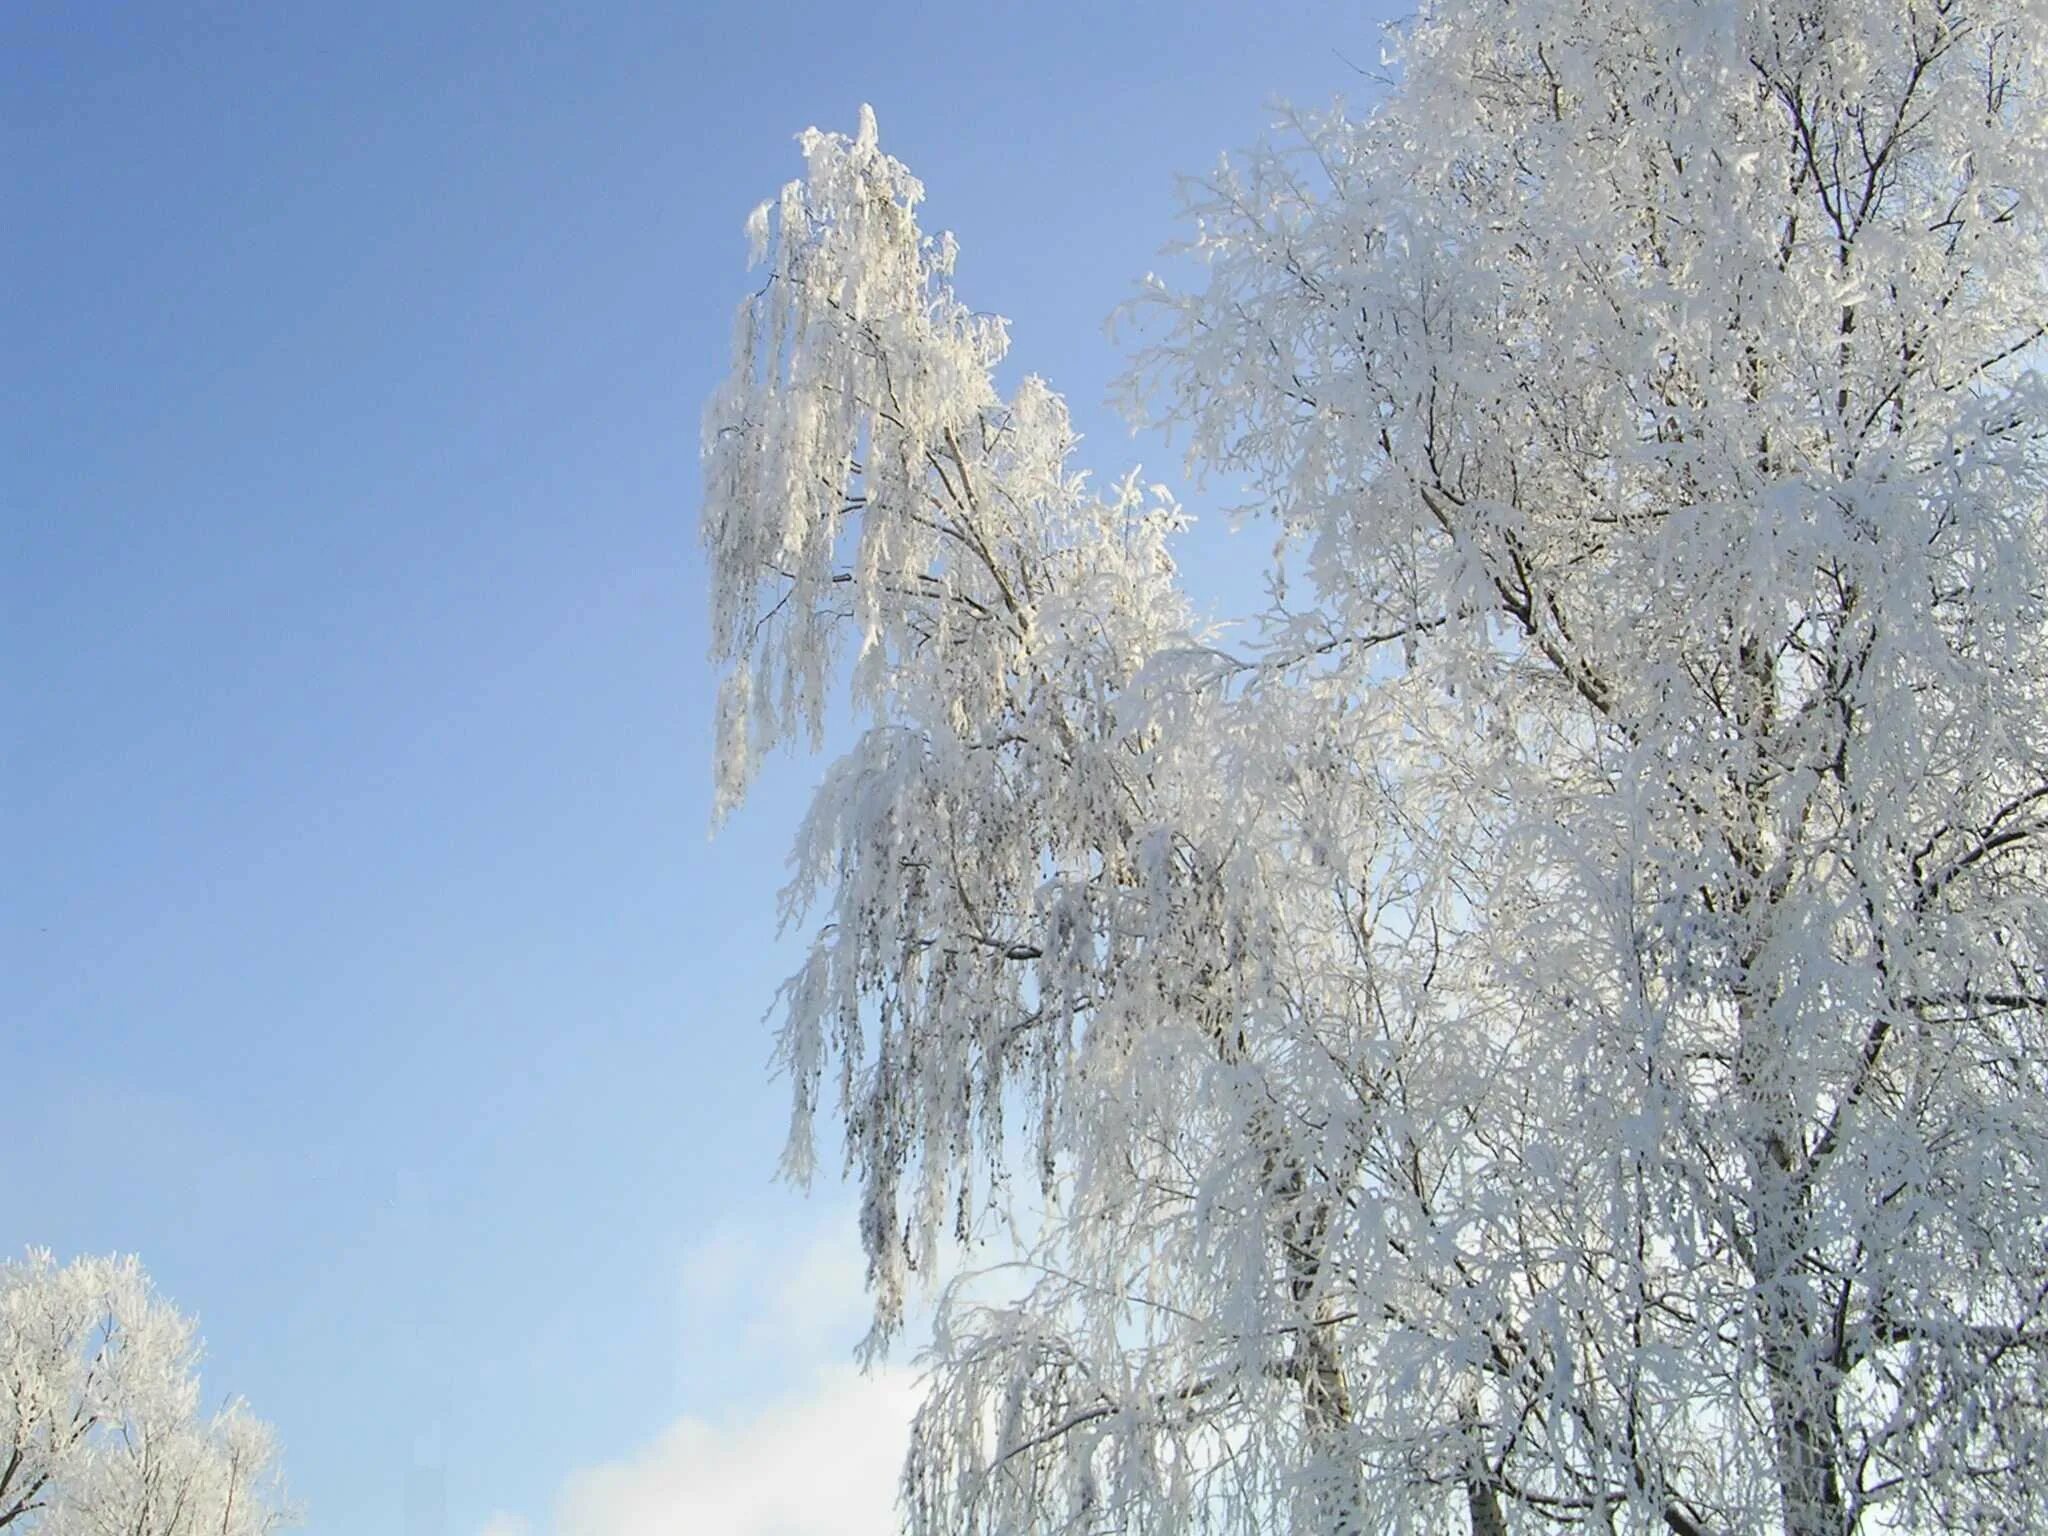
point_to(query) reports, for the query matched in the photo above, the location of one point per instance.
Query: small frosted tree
(1553, 1032)
(101, 1430)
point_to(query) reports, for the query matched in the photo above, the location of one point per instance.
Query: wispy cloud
(794, 1299)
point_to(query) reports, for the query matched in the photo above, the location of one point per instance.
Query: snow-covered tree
(101, 1428)
(1554, 1032)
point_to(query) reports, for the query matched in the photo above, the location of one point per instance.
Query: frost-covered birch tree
(101, 1429)
(1553, 1031)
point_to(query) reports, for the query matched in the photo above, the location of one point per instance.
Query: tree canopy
(101, 1428)
(1551, 1033)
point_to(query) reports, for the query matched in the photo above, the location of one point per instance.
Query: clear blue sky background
(366, 964)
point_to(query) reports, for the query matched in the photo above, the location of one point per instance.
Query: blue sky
(368, 968)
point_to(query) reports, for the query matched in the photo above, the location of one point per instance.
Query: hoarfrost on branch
(101, 1428)
(1552, 1034)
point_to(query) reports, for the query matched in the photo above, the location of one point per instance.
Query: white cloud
(785, 1437)
(821, 1463)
